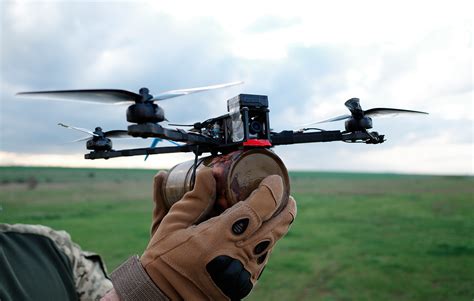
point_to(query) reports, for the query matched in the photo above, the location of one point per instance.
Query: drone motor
(144, 110)
(362, 124)
(99, 144)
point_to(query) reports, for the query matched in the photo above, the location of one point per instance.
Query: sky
(309, 57)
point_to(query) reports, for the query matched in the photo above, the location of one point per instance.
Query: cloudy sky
(307, 56)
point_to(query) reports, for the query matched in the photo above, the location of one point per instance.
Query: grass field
(357, 236)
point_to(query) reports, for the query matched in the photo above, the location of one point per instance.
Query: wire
(308, 129)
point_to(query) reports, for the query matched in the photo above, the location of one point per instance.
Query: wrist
(131, 282)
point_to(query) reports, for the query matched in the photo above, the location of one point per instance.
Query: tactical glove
(220, 258)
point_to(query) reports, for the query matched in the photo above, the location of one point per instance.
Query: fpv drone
(246, 125)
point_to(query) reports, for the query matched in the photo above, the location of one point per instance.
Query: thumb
(194, 205)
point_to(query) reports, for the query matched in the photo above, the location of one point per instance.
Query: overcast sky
(309, 57)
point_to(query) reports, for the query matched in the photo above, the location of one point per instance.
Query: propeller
(358, 114)
(360, 120)
(116, 96)
(97, 133)
(142, 108)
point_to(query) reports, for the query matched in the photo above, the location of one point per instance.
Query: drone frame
(251, 113)
(246, 125)
(281, 138)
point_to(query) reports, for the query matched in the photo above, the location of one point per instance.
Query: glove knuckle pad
(230, 276)
(240, 226)
(261, 246)
(242, 221)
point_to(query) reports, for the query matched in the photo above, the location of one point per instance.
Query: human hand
(222, 257)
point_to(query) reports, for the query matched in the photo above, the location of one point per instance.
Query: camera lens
(255, 127)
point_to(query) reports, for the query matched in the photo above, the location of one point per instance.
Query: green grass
(357, 236)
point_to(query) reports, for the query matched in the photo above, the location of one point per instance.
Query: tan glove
(159, 210)
(221, 258)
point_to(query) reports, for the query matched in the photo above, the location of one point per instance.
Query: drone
(246, 125)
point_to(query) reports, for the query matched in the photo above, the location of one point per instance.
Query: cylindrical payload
(237, 174)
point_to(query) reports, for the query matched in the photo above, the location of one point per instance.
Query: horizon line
(289, 170)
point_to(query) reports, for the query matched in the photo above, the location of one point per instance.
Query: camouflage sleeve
(89, 271)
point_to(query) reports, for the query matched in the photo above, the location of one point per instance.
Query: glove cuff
(131, 282)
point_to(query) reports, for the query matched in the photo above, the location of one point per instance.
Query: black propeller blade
(376, 112)
(353, 105)
(111, 96)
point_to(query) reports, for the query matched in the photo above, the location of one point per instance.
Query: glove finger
(244, 218)
(267, 197)
(194, 206)
(270, 232)
(280, 224)
(159, 210)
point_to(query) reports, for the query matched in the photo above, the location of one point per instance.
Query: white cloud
(27, 17)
